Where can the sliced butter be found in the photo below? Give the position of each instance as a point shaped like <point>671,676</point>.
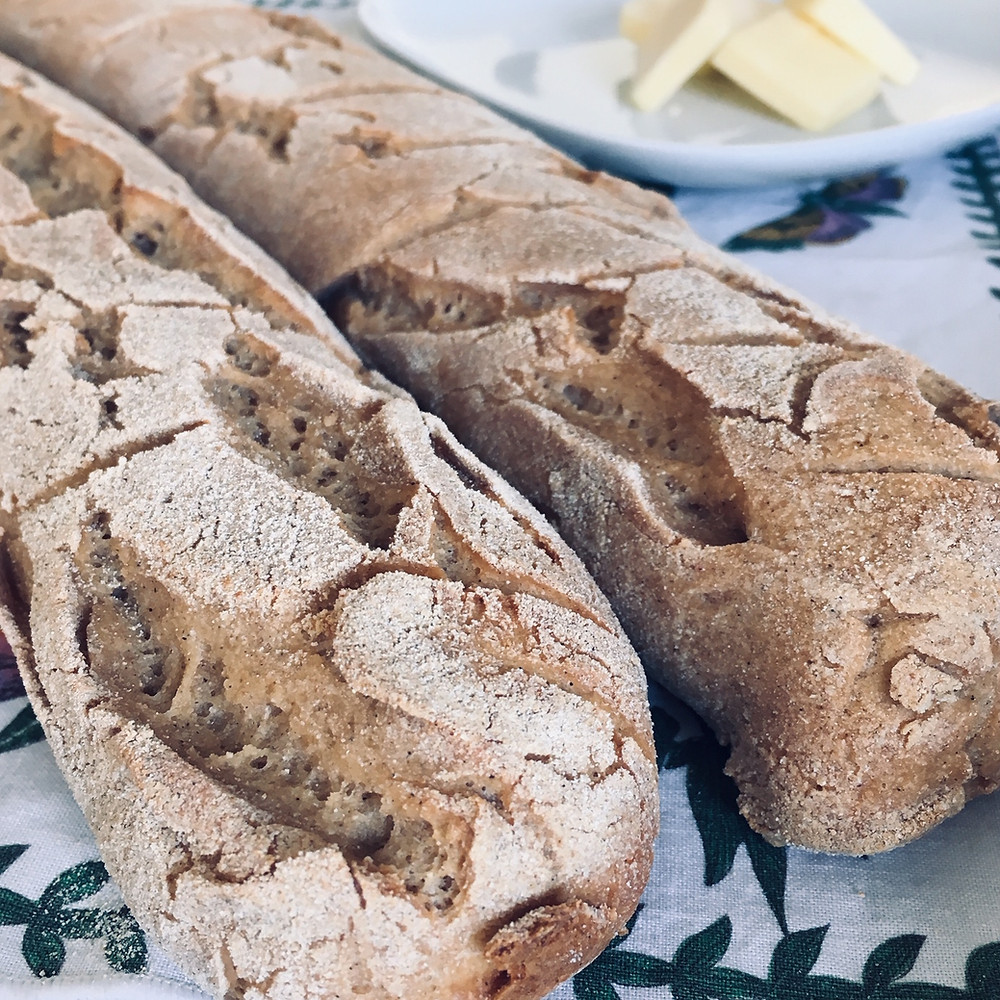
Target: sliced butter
<point>796,69</point>
<point>857,27</point>
<point>685,35</point>
<point>638,19</point>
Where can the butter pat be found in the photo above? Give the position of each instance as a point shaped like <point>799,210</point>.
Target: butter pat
<point>639,19</point>
<point>685,35</point>
<point>858,28</point>
<point>796,69</point>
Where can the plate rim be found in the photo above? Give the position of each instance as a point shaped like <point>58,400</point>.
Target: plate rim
<point>702,164</point>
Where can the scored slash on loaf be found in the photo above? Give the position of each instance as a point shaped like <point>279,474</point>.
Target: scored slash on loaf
<point>345,714</point>
<point>797,524</point>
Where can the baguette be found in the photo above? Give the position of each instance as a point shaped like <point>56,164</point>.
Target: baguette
<point>796,524</point>
<point>345,714</point>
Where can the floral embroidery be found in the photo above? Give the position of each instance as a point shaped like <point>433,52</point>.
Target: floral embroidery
<point>51,920</point>
<point>21,731</point>
<point>696,972</point>
<point>834,214</point>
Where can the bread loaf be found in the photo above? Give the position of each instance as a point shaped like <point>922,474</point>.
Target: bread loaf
<point>797,524</point>
<point>346,715</point>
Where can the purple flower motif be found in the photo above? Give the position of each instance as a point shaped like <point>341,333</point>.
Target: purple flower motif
<point>834,214</point>
<point>836,227</point>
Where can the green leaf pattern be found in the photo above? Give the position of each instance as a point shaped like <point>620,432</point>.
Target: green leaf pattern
<point>52,920</point>
<point>982,972</point>
<point>697,972</point>
<point>890,961</point>
<point>9,853</point>
<point>712,798</point>
<point>21,731</point>
<point>977,180</point>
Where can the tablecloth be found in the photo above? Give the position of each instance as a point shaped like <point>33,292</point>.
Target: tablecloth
<point>910,254</point>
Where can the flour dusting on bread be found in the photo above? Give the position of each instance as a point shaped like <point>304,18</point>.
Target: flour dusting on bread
<point>786,514</point>
<point>346,715</point>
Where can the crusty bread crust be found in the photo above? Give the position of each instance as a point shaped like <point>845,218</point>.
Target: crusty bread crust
<point>346,715</point>
<point>797,524</point>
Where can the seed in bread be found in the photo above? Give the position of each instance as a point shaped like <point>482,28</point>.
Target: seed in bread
<point>345,714</point>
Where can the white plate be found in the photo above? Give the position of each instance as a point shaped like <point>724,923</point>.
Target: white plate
<point>558,66</point>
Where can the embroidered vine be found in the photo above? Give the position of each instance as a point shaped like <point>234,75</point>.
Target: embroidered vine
<point>977,169</point>
<point>695,972</point>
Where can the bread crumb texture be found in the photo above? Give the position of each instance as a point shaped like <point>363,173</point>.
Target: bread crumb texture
<point>797,524</point>
<point>347,716</point>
